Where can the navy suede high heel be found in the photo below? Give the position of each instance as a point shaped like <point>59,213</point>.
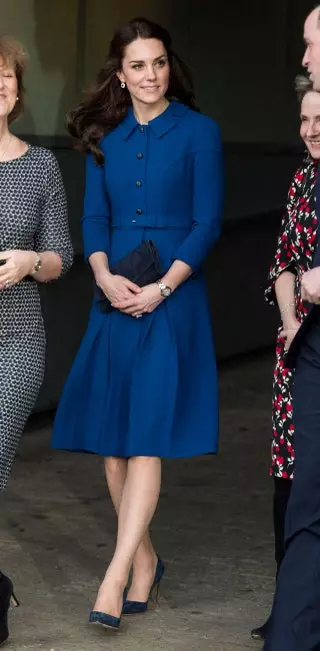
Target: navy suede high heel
<point>108,621</point>
<point>135,607</point>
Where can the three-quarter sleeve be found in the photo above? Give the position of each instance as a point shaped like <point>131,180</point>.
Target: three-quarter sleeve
<point>284,258</point>
<point>52,232</point>
<point>96,215</point>
<point>207,199</point>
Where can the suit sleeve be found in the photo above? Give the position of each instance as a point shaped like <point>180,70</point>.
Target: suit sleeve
<point>96,214</point>
<point>207,199</point>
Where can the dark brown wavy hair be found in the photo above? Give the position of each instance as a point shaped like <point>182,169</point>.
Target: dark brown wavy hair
<point>106,104</point>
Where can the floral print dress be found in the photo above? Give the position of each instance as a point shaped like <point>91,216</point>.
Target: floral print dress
<point>295,250</point>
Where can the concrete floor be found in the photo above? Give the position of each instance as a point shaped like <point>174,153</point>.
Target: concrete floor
<point>212,528</point>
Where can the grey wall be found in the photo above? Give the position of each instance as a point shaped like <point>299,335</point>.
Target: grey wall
<point>244,56</point>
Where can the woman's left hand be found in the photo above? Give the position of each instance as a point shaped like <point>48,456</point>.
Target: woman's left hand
<point>289,332</point>
<point>18,265</point>
<point>145,302</point>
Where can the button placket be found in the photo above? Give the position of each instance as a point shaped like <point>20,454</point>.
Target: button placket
<point>138,183</point>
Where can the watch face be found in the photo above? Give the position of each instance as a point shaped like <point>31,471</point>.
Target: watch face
<point>166,292</point>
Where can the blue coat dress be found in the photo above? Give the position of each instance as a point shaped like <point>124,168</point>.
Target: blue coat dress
<point>149,386</point>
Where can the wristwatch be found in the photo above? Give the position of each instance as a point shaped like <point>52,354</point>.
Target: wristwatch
<point>164,289</point>
<point>37,265</point>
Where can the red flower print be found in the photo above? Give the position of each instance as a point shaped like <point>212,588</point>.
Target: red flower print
<point>295,250</point>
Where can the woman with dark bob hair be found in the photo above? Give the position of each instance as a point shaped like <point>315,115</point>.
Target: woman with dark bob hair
<point>143,385</point>
<point>35,248</point>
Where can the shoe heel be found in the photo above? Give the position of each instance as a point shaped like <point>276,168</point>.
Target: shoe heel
<point>155,593</point>
<point>14,601</point>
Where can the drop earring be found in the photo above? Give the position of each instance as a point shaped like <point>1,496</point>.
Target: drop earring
<point>122,84</point>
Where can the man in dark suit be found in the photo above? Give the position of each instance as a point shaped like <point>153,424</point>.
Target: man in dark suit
<point>296,610</point>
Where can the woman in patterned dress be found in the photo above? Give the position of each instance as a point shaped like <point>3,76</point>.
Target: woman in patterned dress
<point>294,255</point>
<point>34,247</point>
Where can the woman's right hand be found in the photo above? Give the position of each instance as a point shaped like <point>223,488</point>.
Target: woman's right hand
<point>116,288</point>
<point>289,331</point>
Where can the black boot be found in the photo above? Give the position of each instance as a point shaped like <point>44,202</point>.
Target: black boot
<point>6,596</point>
<point>261,632</point>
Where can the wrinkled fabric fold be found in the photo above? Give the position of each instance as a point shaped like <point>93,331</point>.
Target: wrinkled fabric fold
<point>143,386</point>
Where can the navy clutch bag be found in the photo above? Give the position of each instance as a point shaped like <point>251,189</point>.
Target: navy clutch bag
<point>141,266</point>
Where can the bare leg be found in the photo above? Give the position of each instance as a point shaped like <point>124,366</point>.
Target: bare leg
<point>139,500</point>
<point>145,559</point>
<point>116,470</point>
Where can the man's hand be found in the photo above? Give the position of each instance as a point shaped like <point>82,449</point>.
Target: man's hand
<point>310,286</point>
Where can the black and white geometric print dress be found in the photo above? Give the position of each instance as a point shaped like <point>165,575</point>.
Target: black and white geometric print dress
<point>33,216</point>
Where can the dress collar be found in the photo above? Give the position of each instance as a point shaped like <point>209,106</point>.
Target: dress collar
<point>159,125</point>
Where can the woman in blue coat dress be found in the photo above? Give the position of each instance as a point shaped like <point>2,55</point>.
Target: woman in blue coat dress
<point>144,385</point>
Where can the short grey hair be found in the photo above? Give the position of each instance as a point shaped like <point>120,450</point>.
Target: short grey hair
<point>303,85</point>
